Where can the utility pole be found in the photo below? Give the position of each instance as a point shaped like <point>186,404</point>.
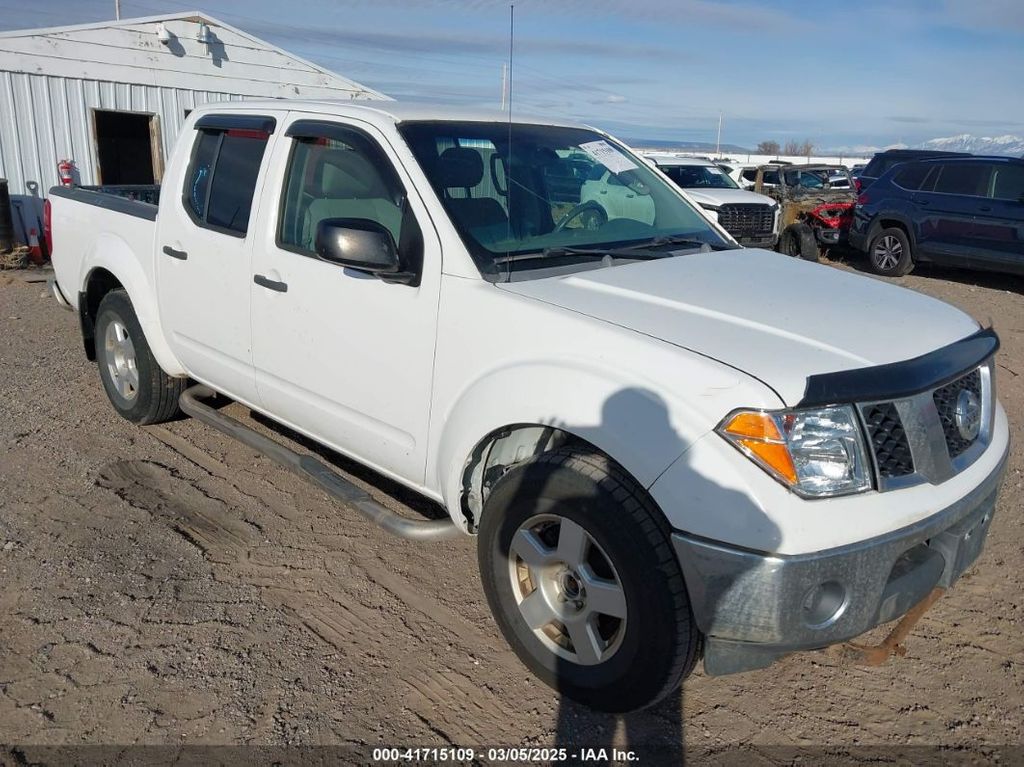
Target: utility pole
<point>504,85</point>
<point>117,10</point>
<point>718,145</point>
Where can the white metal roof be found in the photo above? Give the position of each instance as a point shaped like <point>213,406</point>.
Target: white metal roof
<point>128,51</point>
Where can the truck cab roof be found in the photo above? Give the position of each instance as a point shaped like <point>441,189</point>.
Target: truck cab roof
<point>384,111</point>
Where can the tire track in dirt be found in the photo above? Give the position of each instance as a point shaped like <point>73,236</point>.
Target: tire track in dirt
<point>199,517</point>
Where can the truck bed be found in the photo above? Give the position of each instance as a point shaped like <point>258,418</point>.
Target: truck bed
<point>97,229</point>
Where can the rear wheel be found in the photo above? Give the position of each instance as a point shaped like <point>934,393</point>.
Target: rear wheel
<point>583,581</point>
<point>137,387</point>
<point>798,241</point>
<point>889,253</point>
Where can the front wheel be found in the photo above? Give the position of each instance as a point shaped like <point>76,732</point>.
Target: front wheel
<point>136,385</point>
<point>889,253</point>
<point>798,241</point>
<point>583,581</point>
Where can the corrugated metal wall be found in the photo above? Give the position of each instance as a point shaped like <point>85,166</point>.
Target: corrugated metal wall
<point>46,119</point>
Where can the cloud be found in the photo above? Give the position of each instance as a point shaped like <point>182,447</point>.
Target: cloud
<point>450,44</point>
<point>611,98</point>
<point>908,119</point>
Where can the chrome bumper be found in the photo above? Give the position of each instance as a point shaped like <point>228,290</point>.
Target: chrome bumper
<point>754,608</point>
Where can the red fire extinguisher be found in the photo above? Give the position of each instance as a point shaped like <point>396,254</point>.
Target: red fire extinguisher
<point>66,171</point>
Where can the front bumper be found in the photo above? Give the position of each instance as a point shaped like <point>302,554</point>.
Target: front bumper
<point>754,608</point>
<point>767,241</point>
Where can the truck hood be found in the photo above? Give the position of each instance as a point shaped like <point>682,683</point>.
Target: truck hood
<point>718,197</point>
<point>774,317</point>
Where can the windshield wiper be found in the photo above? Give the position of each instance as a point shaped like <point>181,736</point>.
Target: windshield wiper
<point>658,242</point>
<point>637,253</point>
<point>598,253</point>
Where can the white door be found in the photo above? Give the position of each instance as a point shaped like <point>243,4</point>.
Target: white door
<point>340,354</point>
<point>204,245</point>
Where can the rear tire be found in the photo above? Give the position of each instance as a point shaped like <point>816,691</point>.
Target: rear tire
<point>798,241</point>
<point>606,622</point>
<point>137,387</point>
<point>889,253</point>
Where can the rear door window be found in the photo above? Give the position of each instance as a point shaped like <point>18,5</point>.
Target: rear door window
<point>1008,182</point>
<point>911,176</point>
<point>221,179</point>
<point>963,178</point>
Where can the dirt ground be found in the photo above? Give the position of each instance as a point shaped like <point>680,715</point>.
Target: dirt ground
<point>165,585</point>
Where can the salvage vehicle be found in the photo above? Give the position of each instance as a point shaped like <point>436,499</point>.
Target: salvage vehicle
<point>667,446</point>
<point>816,203</point>
<point>752,219</point>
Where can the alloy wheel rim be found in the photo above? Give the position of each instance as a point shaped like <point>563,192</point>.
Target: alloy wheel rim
<point>567,589</point>
<point>122,365</point>
<point>887,252</point>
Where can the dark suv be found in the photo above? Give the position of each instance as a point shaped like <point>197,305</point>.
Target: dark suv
<point>960,211</point>
<point>883,161</point>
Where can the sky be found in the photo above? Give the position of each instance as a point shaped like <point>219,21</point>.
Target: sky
<point>870,73</point>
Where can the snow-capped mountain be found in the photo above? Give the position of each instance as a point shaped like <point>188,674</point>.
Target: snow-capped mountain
<point>1012,146</point>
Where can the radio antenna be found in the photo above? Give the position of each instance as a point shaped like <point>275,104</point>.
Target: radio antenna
<point>508,152</point>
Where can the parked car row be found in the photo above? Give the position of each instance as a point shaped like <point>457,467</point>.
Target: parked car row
<point>951,208</point>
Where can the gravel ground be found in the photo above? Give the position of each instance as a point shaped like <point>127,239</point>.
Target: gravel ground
<point>164,585</point>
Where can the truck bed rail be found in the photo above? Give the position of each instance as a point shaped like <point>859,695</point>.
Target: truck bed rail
<point>119,199</point>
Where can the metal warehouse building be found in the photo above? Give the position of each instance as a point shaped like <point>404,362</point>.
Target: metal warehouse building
<point>112,96</point>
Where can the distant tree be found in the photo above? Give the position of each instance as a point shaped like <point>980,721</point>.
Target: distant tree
<point>807,148</point>
<point>791,149</point>
<point>768,147</point>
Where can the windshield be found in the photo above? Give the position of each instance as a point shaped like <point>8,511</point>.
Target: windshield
<point>818,178</point>
<point>556,196</point>
<point>699,176</point>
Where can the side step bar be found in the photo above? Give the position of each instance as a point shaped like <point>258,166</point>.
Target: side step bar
<point>317,472</point>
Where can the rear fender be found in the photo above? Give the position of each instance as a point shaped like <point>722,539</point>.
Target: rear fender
<point>887,219</point>
<point>112,253</point>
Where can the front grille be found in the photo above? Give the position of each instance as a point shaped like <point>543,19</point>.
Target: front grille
<point>946,401</point>
<point>746,219</point>
<point>906,442</point>
<point>888,440</point>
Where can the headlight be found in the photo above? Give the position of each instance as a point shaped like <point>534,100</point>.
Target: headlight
<point>816,453</point>
<point>709,206</point>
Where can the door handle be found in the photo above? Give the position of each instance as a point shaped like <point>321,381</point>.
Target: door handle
<point>181,255</point>
<point>264,282</point>
<point>985,209</point>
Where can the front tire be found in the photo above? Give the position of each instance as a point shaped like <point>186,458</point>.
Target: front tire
<point>889,253</point>
<point>798,241</point>
<point>582,579</point>
<point>136,386</point>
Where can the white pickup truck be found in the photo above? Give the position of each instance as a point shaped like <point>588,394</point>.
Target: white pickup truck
<point>667,446</point>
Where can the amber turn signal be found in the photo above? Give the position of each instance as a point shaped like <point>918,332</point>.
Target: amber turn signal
<point>758,435</point>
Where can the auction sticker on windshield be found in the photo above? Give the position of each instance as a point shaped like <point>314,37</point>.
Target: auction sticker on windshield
<point>608,156</point>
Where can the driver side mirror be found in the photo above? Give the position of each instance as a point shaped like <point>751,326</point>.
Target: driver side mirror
<point>361,244</point>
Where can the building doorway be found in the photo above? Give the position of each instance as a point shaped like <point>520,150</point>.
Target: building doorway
<point>127,148</point>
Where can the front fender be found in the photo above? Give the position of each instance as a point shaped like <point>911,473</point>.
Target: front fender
<point>639,424</point>
<point>113,253</point>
